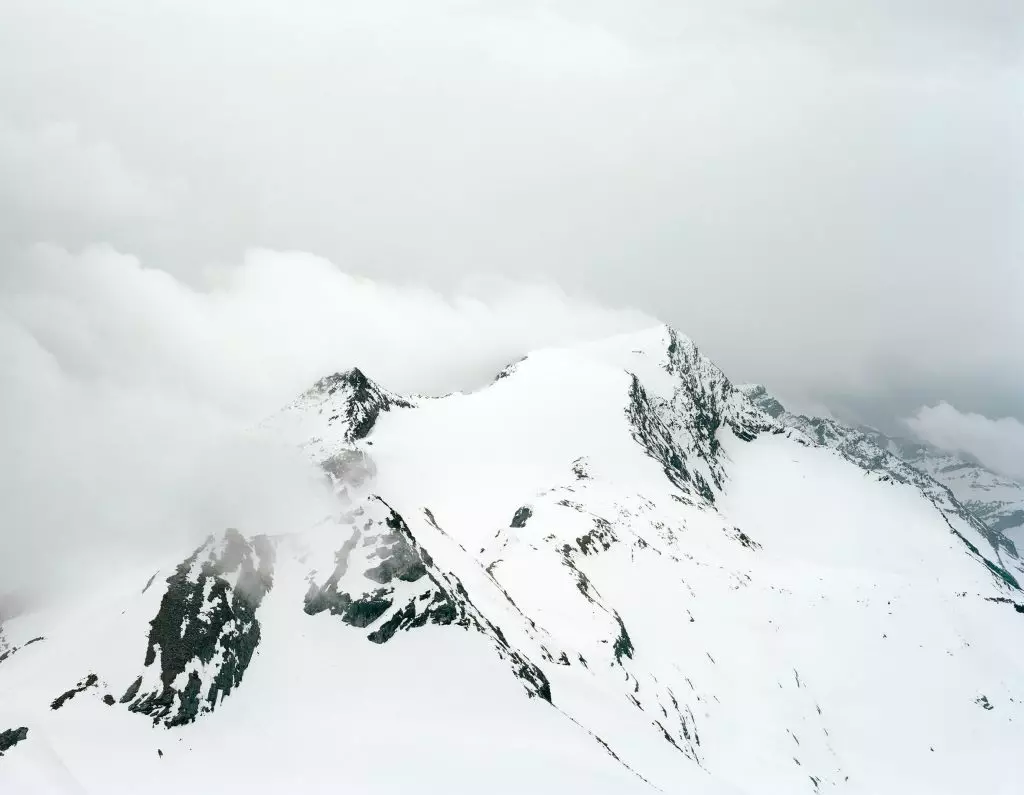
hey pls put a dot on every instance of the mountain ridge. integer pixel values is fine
(608, 569)
(873, 450)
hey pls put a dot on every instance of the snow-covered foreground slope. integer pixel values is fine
(608, 572)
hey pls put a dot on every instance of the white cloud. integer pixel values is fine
(997, 443)
(52, 177)
(126, 396)
(826, 196)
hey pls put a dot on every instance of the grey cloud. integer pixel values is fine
(997, 443)
(128, 398)
(826, 197)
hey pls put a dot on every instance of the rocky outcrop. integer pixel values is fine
(385, 582)
(206, 631)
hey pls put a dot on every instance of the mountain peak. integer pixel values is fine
(335, 413)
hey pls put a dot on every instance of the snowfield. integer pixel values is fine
(609, 571)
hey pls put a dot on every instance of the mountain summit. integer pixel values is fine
(608, 571)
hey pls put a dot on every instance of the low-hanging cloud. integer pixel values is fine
(997, 443)
(826, 196)
(127, 398)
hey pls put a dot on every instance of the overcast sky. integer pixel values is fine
(214, 202)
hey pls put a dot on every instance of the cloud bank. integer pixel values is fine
(826, 196)
(127, 397)
(997, 443)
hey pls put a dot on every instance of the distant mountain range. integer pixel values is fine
(995, 499)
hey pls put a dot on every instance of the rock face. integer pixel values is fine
(11, 737)
(356, 401)
(8, 650)
(337, 412)
(385, 581)
(608, 571)
(680, 429)
(205, 634)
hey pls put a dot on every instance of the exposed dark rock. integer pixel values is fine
(364, 401)
(600, 538)
(326, 596)
(398, 558)
(1003, 600)
(358, 612)
(439, 598)
(521, 516)
(11, 737)
(537, 683)
(582, 581)
(63, 698)
(996, 569)
(11, 651)
(387, 630)
(132, 691)
(759, 396)
(650, 432)
(623, 645)
(191, 626)
(744, 539)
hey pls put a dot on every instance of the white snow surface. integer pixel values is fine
(799, 625)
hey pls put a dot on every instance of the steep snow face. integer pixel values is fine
(608, 571)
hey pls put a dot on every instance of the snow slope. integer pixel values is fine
(996, 500)
(608, 571)
(961, 489)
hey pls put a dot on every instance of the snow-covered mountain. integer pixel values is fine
(608, 571)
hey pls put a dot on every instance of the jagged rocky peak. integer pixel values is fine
(357, 399)
(714, 399)
(678, 409)
(330, 419)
